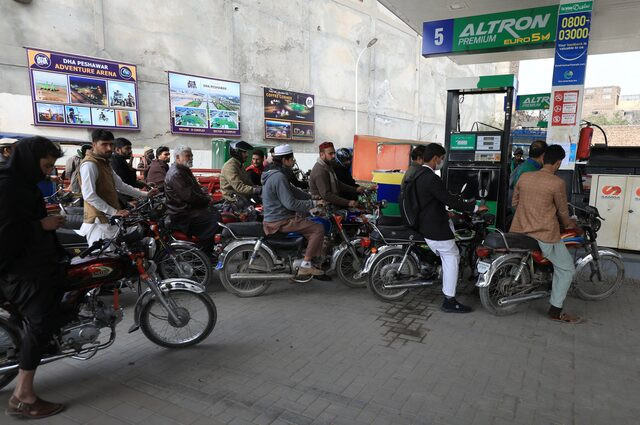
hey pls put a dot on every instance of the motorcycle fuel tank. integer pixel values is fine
(91, 271)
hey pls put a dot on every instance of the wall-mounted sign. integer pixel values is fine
(565, 108)
(204, 106)
(517, 29)
(78, 91)
(288, 115)
(530, 102)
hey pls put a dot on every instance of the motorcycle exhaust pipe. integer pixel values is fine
(260, 276)
(521, 298)
(410, 284)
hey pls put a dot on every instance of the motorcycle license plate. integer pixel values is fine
(482, 267)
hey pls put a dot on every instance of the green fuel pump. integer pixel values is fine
(479, 159)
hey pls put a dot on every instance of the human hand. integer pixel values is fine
(52, 222)
(353, 204)
(320, 203)
(482, 208)
(122, 213)
(154, 191)
(360, 189)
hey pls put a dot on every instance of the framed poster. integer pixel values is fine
(77, 91)
(204, 106)
(288, 115)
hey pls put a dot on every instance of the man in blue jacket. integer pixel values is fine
(284, 207)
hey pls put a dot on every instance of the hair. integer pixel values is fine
(101, 134)
(431, 150)
(278, 159)
(43, 147)
(553, 154)
(258, 152)
(85, 148)
(537, 148)
(325, 145)
(417, 152)
(121, 142)
(160, 150)
(272, 150)
(180, 150)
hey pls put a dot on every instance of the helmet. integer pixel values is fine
(239, 146)
(343, 155)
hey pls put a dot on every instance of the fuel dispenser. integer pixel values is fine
(479, 159)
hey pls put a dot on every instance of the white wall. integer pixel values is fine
(300, 45)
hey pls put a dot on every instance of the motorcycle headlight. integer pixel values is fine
(150, 246)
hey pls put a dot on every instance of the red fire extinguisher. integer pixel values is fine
(584, 143)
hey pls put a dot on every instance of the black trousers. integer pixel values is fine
(38, 301)
(202, 224)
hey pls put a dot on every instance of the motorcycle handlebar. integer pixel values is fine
(96, 245)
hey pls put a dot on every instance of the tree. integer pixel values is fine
(604, 119)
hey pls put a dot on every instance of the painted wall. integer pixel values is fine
(301, 45)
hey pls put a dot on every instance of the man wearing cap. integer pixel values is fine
(234, 180)
(324, 183)
(284, 206)
(6, 147)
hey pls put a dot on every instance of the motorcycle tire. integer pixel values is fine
(155, 310)
(501, 279)
(346, 270)
(195, 263)
(237, 261)
(9, 340)
(383, 268)
(585, 281)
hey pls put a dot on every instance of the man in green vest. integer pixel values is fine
(100, 187)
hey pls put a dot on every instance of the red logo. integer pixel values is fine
(638, 192)
(612, 190)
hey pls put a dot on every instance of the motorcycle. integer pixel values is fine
(513, 270)
(401, 259)
(172, 313)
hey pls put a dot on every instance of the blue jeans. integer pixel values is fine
(563, 270)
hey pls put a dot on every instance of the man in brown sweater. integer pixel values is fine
(159, 167)
(541, 201)
(323, 182)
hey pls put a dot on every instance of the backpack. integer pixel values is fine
(410, 209)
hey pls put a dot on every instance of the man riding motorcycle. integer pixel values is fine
(234, 180)
(324, 183)
(283, 205)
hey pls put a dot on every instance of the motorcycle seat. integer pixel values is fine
(396, 233)
(70, 237)
(282, 241)
(245, 229)
(514, 240)
(386, 220)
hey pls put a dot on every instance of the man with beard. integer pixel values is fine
(6, 147)
(323, 182)
(255, 169)
(121, 165)
(100, 188)
(235, 183)
(159, 167)
(187, 204)
(30, 271)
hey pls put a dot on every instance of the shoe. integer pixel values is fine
(37, 410)
(451, 305)
(557, 315)
(306, 271)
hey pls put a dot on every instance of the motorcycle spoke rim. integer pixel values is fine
(198, 268)
(589, 281)
(378, 281)
(197, 324)
(240, 264)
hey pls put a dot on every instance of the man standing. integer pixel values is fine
(533, 163)
(187, 203)
(283, 206)
(73, 165)
(100, 187)
(256, 168)
(6, 146)
(517, 159)
(159, 167)
(435, 225)
(324, 183)
(234, 180)
(416, 164)
(30, 274)
(541, 201)
(121, 165)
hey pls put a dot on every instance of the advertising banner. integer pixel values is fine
(288, 115)
(518, 29)
(532, 102)
(204, 106)
(77, 91)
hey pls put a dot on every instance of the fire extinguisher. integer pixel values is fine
(584, 142)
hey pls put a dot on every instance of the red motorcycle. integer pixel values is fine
(172, 313)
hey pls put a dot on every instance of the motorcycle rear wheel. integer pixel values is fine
(9, 341)
(196, 309)
(384, 268)
(237, 261)
(195, 263)
(346, 269)
(501, 286)
(589, 287)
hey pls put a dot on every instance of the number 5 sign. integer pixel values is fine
(437, 37)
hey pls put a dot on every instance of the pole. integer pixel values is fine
(356, 86)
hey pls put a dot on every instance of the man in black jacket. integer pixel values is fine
(121, 164)
(30, 273)
(435, 225)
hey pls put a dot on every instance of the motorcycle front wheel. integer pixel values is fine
(237, 261)
(591, 286)
(502, 285)
(346, 268)
(9, 345)
(192, 263)
(385, 270)
(197, 316)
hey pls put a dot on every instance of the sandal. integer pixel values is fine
(567, 318)
(37, 410)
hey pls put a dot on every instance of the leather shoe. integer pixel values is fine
(36, 410)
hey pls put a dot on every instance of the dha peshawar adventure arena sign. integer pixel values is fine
(78, 91)
(518, 29)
